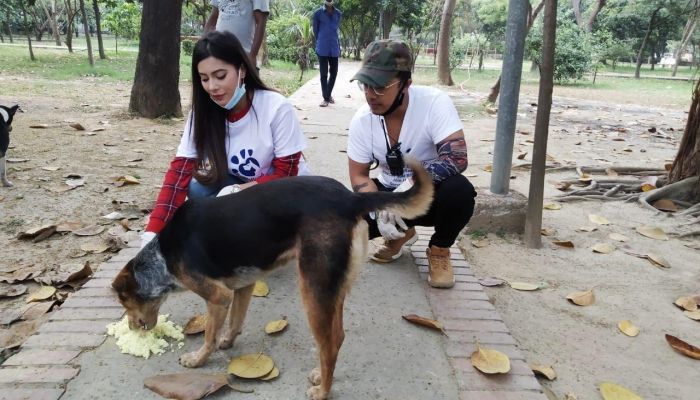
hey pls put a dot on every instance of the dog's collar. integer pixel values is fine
(5, 115)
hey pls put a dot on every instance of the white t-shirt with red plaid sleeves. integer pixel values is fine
(430, 118)
(269, 130)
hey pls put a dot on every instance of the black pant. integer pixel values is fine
(326, 83)
(452, 207)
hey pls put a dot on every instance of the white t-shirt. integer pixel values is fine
(269, 130)
(236, 16)
(430, 118)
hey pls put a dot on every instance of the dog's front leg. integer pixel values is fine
(3, 173)
(216, 315)
(236, 315)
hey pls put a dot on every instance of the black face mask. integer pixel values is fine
(397, 101)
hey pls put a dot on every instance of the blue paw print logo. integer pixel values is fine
(245, 165)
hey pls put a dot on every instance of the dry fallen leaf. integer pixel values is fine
(77, 126)
(665, 205)
(657, 260)
(552, 206)
(524, 286)
(618, 237)
(548, 232)
(652, 232)
(44, 292)
(61, 274)
(490, 361)
(603, 248)
(39, 126)
(597, 219)
(34, 311)
(564, 243)
(126, 180)
(261, 289)
(186, 386)
(276, 326)
(682, 347)
(480, 243)
(613, 391)
(563, 186)
(250, 366)
(491, 281)
(7, 290)
(488, 168)
(427, 322)
(91, 230)
(585, 298)
(687, 303)
(628, 328)
(694, 315)
(543, 370)
(195, 325)
(38, 234)
(94, 247)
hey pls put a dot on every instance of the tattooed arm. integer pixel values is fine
(359, 177)
(451, 159)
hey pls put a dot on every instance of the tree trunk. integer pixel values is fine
(264, 54)
(576, 5)
(27, 32)
(687, 161)
(650, 27)
(388, 15)
(98, 27)
(51, 18)
(496, 88)
(594, 14)
(87, 33)
(443, 48)
(687, 34)
(155, 90)
(9, 30)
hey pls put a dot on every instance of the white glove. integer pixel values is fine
(404, 186)
(146, 237)
(229, 190)
(389, 224)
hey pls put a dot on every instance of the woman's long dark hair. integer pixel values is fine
(209, 123)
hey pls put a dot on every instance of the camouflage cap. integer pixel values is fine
(382, 60)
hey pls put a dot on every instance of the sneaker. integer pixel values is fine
(324, 103)
(332, 100)
(440, 274)
(391, 250)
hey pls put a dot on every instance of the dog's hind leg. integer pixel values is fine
(327, 270)
(218, 300)
(236, 315)
(3, 173)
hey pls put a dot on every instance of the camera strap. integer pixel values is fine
(397, 146)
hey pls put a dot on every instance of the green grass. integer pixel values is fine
(55, 64)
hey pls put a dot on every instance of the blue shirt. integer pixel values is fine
(325, 28)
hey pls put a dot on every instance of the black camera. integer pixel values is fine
(394, 160)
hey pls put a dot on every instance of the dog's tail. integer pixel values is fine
(409, 204)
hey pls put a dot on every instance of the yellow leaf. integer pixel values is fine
(196, 325)
(652, 232)
(261, 289)
(44, 292)
(694, 315)
(613, 391)
(524, 286)
(585, 298)
(251, 366)
(603, 248)
(597, 219)
(276, 326)
(687, 303)
(490, 361)
(628, 328)
(272, 375)
(552, 206)
(488, 168)
(544, 370)
(658, 261)
(618, 237)
(647, 187)
(585, 178)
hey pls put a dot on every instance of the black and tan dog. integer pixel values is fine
(6, 115)
(218, 247)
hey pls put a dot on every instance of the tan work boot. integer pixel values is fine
(391, 250)
(440, 274)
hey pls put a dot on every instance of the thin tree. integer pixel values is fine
(687, 32)
(594, 14)
(25, 4)
(71, 12)
(51, 16)
(98, 28)
(496, 88)
(86, 31)
(650, 28)
(155, 90)
(443, 48)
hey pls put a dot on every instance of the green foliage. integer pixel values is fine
(285, 33)
(458, 50)
(123, 20)
(187, 47)
(492, 16)
(572, 56)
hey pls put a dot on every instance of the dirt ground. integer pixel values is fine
(582, 343)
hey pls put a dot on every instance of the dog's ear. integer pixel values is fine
(14, 109)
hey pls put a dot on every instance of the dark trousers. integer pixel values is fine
(327, 83)
(452, 207)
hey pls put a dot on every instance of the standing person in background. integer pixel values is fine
(399, 120)
(326, 21)
(246, 19)
(240, 132)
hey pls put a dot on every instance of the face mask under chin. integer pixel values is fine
(237, 94)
